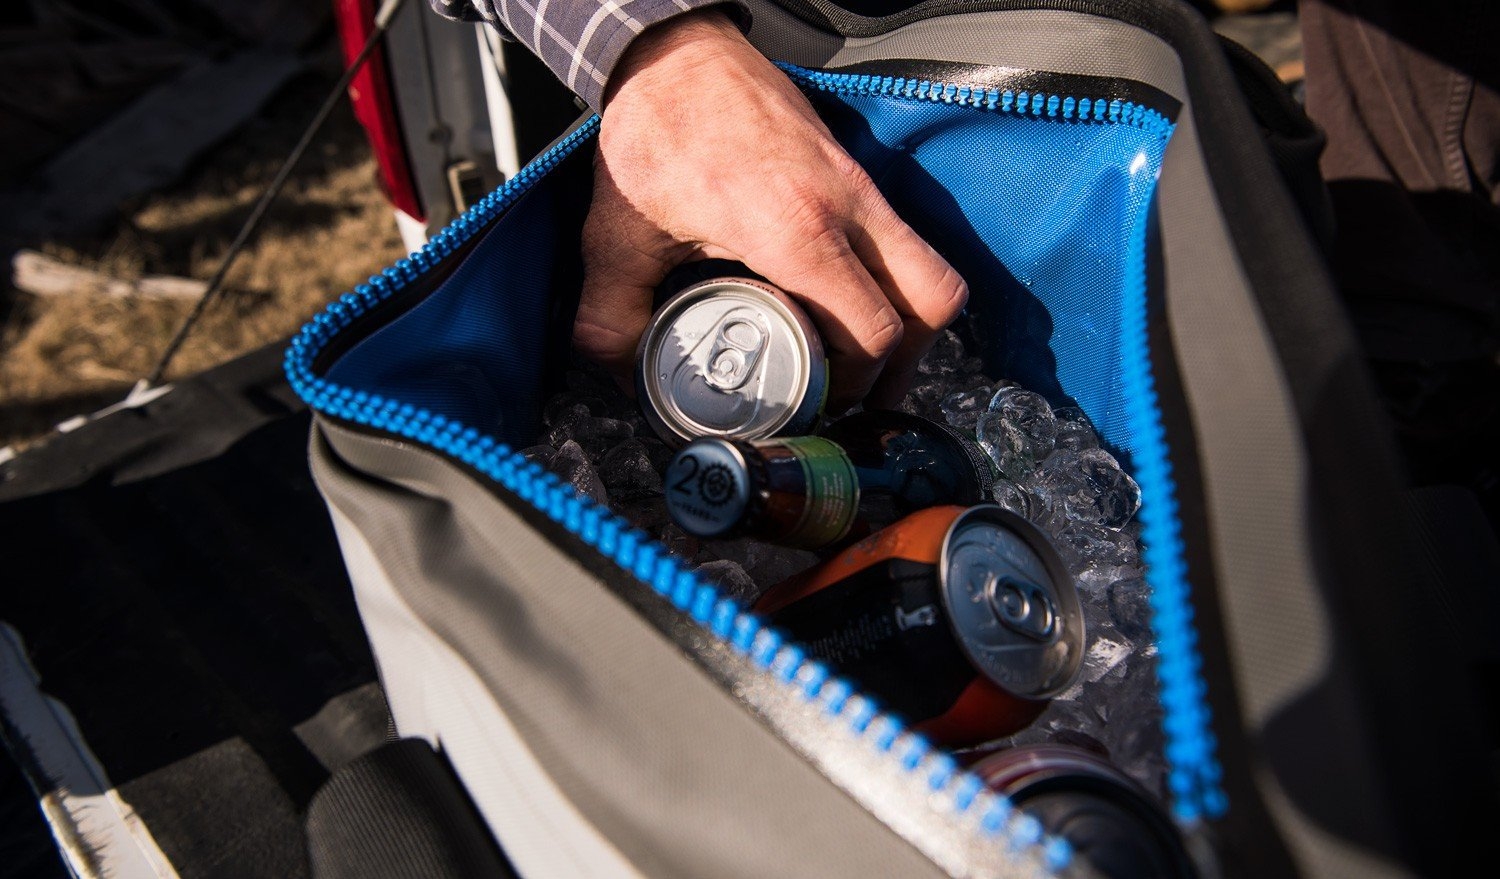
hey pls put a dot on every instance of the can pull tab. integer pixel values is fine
(1023, 606)
(737, 347)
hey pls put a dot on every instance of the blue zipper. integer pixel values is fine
(1190, 746)
(1195, 776)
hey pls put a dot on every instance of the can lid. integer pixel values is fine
(1012, 602)
(707, 487)
(1113, 823)
(727, 357)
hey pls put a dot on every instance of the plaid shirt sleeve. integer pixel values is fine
(579, 40)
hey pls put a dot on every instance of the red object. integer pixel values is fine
(375, 105)
(843, 608)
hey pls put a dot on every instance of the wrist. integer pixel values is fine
(680, 43)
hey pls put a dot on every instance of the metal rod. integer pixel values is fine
(382, 23)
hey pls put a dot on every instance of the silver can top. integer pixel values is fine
(728, 357)
(1012, 603)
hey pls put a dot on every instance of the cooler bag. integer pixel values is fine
(1095, 172)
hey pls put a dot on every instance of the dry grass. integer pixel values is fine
(330, 230)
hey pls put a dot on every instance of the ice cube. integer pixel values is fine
(1029, 412)
(541, 454)
(925, 398)
(731, 579)
(944, 357)
(1129, 602)
(658, 452)
(648, 513)
(1088, 487)
(1074, 430)
(595, 435)
(678, 542)
(1082, 544)
(1103, 656)
(1014, 498)
(1017, 432)
(962, 409)
(766, 563)
(561, 407)
(572, 464)
(628, 473)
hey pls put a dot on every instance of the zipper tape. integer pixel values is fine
(1194, 772)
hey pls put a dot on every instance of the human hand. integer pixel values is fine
(707, 150)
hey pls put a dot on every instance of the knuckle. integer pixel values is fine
(946, 299)
(807, 211)
(882, 333)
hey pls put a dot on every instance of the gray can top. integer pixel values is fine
(707, 487)
(1012, 603)
(729, 357)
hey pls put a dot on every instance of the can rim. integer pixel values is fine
(1057, 571)
(685, 429)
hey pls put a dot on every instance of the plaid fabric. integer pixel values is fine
(579, 40)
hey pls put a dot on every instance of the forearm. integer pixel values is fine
(580, 41)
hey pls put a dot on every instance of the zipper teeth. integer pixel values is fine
(1195, 776)
(633, 551)
(1038, 105)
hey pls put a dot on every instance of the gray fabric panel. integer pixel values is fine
(1249, 446)
(1254, 465)
(1062, 42)
(1256, 491)
(670, 767)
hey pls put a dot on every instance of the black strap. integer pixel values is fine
(399, 812)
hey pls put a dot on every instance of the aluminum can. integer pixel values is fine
(1111, 821)
(730, 357)
(962, 620)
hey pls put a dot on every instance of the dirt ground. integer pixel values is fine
(330, 229)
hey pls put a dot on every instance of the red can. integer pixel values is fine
(961, 620)
(1111, 822)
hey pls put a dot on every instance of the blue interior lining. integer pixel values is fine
(1037, 213)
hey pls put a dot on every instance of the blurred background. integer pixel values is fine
(89, 207)
(140, 134)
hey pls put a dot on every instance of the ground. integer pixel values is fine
(330, 230)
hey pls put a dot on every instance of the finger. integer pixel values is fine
(859, 326)
(921, 286)
(624, 261)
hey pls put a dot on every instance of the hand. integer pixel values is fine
(707, 150)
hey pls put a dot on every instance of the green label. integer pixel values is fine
(832, 491)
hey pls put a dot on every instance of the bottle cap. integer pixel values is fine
(707, 487)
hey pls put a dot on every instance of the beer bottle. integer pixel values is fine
(866, 471)
(795, 491)
(906, 463)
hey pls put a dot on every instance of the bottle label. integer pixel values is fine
(832, 491)
(984, 467)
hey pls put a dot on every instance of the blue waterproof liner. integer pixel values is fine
(1041, 201)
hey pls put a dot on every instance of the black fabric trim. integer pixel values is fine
(1018, 79)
